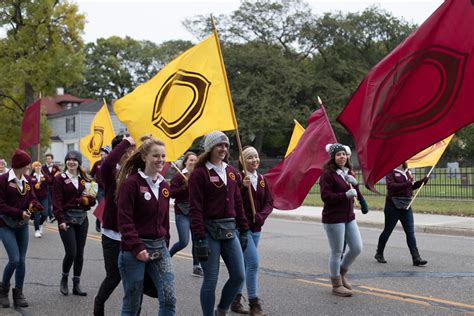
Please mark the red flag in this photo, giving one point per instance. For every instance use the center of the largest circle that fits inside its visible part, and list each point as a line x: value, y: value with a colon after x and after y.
x: 417, y: 95
x: 30, y: 126
x: 165, y: 169
x: 292, y: 178
x: 99, y: 210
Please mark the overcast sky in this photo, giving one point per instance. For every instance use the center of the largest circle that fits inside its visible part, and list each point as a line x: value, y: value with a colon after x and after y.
x: 161, y: 20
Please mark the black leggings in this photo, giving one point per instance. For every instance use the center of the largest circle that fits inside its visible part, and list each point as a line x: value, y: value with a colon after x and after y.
x: 74, y: 240
x: 111, y: 249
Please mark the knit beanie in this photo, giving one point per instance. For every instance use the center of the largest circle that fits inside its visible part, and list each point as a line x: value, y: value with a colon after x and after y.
x: 106, y: 149
x: 333, y: 149
x: 73, y: 154
x: 20, y: 159
x: 215, y: 138
x: 247, y: 152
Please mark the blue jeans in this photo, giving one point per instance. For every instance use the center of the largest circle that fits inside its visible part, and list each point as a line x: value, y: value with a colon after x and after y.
x: 161, y: 272
x: 231, y: 253
x: 251, y: 265
x: 183, y: 224
x: 392, y: 216
x: 41, y: 216
x: 15, y: 241
x: 337, y: 233
x: 50, y: 201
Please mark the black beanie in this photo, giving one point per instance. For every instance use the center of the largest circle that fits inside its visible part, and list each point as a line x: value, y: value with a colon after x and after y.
x: 73, y: 154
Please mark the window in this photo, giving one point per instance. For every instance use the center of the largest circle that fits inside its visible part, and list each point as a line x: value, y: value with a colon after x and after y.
x: 70, y: 147
x: 70, y: 125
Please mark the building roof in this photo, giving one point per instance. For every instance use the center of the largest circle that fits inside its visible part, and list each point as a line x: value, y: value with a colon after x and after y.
x: 56, y: 104
x: 90, y: 107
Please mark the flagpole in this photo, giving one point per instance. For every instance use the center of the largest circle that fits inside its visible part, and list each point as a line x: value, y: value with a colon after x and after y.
x: 179, y: 170
x: 419, y: 189
x: 234, y: 118
x: 39, y: 124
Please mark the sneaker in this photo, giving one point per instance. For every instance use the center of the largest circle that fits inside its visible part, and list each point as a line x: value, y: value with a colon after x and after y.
x: 37, y: 234
x: 197, y: 272
x: 52, y: 219
x: 41, y: 229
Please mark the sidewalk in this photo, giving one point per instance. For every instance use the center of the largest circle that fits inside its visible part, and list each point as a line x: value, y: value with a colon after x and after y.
x: 427, y: 223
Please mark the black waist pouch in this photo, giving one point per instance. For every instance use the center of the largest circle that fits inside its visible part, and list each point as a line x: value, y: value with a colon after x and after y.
x: 155, y: 247
x: 221, y: 229
x: 13, y: 223
x: 74, y: 216
x: 184, y: 207
x: 401, y: 202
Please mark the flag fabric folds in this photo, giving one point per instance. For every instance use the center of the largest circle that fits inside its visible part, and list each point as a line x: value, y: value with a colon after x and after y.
x: 292, y: 178
x: 429, y: 156
x: 417, y: 95
x: 101, y: 134
x: 298, y: 131
x: 187, y: 99
x: 30, y: 126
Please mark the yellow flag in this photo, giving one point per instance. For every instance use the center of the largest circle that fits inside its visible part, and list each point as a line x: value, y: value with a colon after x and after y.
x: 429, y: 156
x: 101, y: 134
x: 298, y: 131
x: 185, y: 100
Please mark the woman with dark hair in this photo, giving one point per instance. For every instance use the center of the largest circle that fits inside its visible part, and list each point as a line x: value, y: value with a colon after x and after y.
x: 71, y: 201
x: 122, y: 148
x: 215, y: 209
x: 400, y: 185
x: 17, y: 202
x: 143, y: 221
x: 338, y: 189
x: 180, y: 192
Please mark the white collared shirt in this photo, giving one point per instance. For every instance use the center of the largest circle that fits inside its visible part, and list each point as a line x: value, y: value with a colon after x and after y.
x: 50, y: 167
x: 155, y: 187
x: 253, y: 176
x: 19, y: 182
x: 74, y: 179
x: 219, y: 170
x: 403, y: 172
x: 37, y: 176
x: 112, y: 234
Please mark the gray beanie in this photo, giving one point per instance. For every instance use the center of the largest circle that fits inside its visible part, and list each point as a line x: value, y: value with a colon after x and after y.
x: 73, y: 155
x: 215, y: 138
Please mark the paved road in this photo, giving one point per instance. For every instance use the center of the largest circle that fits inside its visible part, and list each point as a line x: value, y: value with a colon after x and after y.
x: 293, y: 279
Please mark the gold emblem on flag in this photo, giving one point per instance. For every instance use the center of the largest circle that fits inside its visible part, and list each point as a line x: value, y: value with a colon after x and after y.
x: 96, y: 141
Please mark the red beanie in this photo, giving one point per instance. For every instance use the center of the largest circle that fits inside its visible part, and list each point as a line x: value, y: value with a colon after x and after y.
x: 20, y: 159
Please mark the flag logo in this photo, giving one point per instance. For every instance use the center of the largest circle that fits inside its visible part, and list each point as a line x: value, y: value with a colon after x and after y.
x: 195, y: 87
x: 96, y: 141
x: 439, y: 68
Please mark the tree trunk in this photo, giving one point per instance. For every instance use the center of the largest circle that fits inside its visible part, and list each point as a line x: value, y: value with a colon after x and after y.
x: 258, y: 142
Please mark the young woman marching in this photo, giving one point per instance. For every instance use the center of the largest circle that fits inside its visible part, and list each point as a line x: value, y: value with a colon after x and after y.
x: 215, y: 209
x: 50, y: 169
x: 179, y: 192
x: 338, y: 190
x: 263, y: 202
x: 40, y: 183
x: 17, y: 201
x: 143, y: 221
x: 71, y: 201
x: 400, y: 186
x: 122, y: 148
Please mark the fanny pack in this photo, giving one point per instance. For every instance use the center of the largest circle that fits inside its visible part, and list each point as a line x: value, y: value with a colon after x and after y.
x: 155, y: 247
x: 184, y: 207
x: 74, y: 216
x: 401, y: 202
x: 13, y: 223
x: 221, y: 229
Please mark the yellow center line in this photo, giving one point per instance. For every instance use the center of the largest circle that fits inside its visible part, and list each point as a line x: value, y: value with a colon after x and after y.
x: 89, y: 236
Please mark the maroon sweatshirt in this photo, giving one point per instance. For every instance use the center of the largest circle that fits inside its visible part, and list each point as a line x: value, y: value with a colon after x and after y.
x: 398, y: 185
x: 40, y: 187
x: 66, y: 196
x: 109, y: 175
x: 214, y: 200
x: 179, y: 191
x: 263, y: 201
x: 141, y: 215
x: 55, y: 169
x: 337, y: 207
x: 12, y: 202
x: 96, y: 173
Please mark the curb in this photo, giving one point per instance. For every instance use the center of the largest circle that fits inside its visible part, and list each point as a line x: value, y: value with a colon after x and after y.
x: 419, y: 229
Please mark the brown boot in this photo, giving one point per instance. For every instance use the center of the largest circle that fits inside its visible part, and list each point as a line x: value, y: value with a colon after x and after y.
x: 255, y: 307
x: 237, y: 306
x: 19, y: 299
x: 338, y: 289
x: 345, y: 283
x: 4, y: 301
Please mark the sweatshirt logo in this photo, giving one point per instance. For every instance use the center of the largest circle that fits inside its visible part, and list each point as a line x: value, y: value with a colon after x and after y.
x: 232, y: 175
x: 165, y: 192
x: 262, y: 183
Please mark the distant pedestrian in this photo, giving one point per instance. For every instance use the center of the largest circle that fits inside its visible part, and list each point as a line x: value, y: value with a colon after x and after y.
x: 263, y: 202
x: 71, y: 201
x: 96, y: 175
x: 338, y: 189
x: 180, y: 192
x: 143, y: 221
x: 17, y: 202
x: 40, y: 182
x: 216, y: 212
x: 50, y: 169
x: 400, y: 185
x: 122, y: 148
x: 3, y: 167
